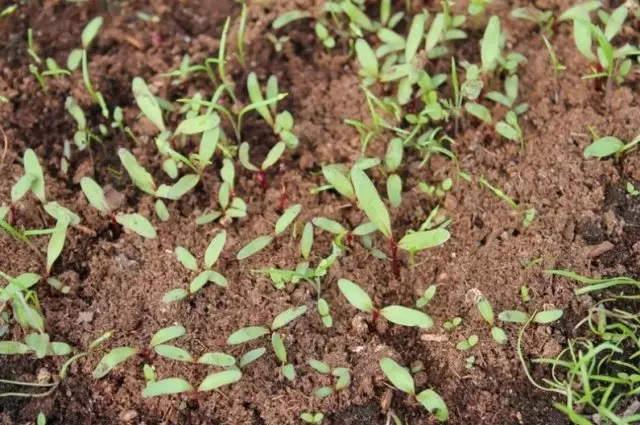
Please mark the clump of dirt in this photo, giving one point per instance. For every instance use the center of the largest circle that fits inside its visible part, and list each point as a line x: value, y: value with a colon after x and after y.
x: 117, y: 280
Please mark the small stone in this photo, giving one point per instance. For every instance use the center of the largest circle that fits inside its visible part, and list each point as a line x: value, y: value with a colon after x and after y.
x: 128, y: 415
x: 44, y: 376
x: 359, y: 325
x: 85, y: 317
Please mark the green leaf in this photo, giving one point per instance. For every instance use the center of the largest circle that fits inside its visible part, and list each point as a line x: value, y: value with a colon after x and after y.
x: 208, y: 145
x: 548, y: 316
x: 369, y: 201
x: 498, y: 335
x: 255, y: 94
x: 112, y: 359
x: 274, y: 155
x: 467, y: 343
x: 436, y: 32
x: 42, y: 419
x: 141, y: 178
x: 367, y: 58
x: 344, y: 378
x: 398, y: 375
x: 253, y: 247
x: 199, y: 282
x: 356, y: 15
x: 278, y: 347
x: 434, y: 404
x: 355, y: 295
x: 56, y: 243
x: 251, y: 356
x: 59, y: 349
x: 61, y: 213
x: 288, y: 17
x: 214, y: 249
x: 186, y: 258
x: 167, y: 334
x: 364, y: 229
x: 174, y: 295
x: 479, y: 111
x: 228, y: 172
x: 306, y: 241
x: 319, y: 366
x: 490, y: 44
x: 513, y: 316
x: 246, y: 334
x: 74, y: 59
x: 147, y: 103
x: 418, y: 241
x: 406, y: 316
x: 324, y: 392
x: 394, y: 190
x: 603, y: 147
x: 220, y: 379
x: 198, y: 124
x: 329, y: 225
x: 172, y: 352
x: 22, y: 186
x: 180, y: 188
x: 393, y: 157
x: 138, y: 224
x: 289, y: 372
x: 288, y: 316
x: 507, y: 131
x: 217, y: 359
x: 161, y: 210
x: 13, y: 347
x: 287, y: 218
x: 339, y: 181
x: 166, y: 387
x: 486, y: 311
x: 33, y: 169
x: 615, y: 22
x: 91, y: 30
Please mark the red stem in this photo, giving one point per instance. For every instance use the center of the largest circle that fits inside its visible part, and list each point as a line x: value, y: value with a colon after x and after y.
x: 261, y: 179
x: 395, y: 267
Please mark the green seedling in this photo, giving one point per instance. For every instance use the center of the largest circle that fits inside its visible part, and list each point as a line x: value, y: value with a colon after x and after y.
x: 428, y: 295
x: 470, y: 362
x: 255, y: 332
x: 52, y: 68
x: 134, y: 222
x: 260, y: 174
x: 323, y: 34
x: 231, y: 206
x: 23, y: 301
x: 206, y: 274
x: 397, y: 314
x: 341, y: 375
x: 370, y: 203
x: 31, y: 182
x: 82, y: 136
x: 392, y: 161
x: 544, y: 19
x: 490, y: 45
x: 631, y: 189
x: 438, y: 191
x: 79, y: 56
x: 486, y: 311
x: 278, y: 42
x: 478, y: 7
x: 528, y: 215
x: 606, y: 146
x: 467, y: 343
x: 9, y: 10
x: 289, y: 17
x: 510, y: 128
x: 401, y: 378
x: 282, y: 123
x: 241, y: 33
x: 261, y: 242
x: 510, y: 95
x: 556, y: 67
x: 312, y: 418
x: 453, y: 323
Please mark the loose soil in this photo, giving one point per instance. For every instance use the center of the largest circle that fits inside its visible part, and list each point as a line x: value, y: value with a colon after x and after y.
x: 117, y: 280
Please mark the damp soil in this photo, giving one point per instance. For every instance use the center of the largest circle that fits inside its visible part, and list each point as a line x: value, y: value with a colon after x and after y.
x: 586, y: 222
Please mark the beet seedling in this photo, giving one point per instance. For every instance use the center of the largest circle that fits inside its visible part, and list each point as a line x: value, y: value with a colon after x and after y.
x: 231, y: 206
x: 342, y: 375
x: 189, y: 262
x: 261, y: 242
x: 486, y: 311
x: 260, y: 174
x: 134, y: 222
x: 510, y: 95
x: 544, y: 19
x: 401, y: 378
x: 556, y: 67
x: 344, y: 237
x: 510, y: 128
x: 322, y: 32
x: 79, y: 56
x: 393, y: 160
x: 22, y: 300
x: 312, y: 418
x: 606, y: 146
x: 370, y: 203
x: 397, y: 314
x: 52, y: 68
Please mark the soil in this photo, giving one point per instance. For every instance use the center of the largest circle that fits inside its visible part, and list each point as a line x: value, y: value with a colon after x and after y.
x: 117, y: 280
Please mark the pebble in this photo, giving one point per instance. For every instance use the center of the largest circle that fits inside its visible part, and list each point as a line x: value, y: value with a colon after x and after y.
x: 128, y: 415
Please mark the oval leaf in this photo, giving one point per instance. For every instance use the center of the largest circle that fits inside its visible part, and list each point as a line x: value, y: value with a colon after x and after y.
x: 603, y: 147
x: 246, y: 334
x: 355, y: 295
x: 369, y: 201
x: 513, y: 316
x: 112, y: 359
x: 253, y: 247
x: 417, y: 241
x: 220, y: 379
x: 138, y: 224
x: 287, y: 218
x: 172, y: 352
x: 217, y: 359
x: 398, y: 375
x: 214, y: 249
x: 166, y: 387
x: 549, y: 316
x: 147, y: 103
x: 167, y: 334
x: 288, y: 316
x: 434, y: 404
x: 186, y: 258
x: 406, y: 316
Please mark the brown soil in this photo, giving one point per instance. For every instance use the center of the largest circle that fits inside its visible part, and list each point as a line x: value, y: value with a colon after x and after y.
x: 119, y: 281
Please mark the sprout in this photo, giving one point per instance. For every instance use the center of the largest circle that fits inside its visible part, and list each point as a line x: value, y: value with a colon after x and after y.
x: 261, y: 242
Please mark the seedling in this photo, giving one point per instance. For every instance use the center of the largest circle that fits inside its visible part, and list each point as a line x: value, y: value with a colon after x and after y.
x: 556, y: 67
x: 510, y: 128
x: 490, y: 45
x: 453, y: 323
x: 23, y: 301
x: 341, y: 375
x: 231, y: 206
x: 631, y: 189
x: 428, y: 295
x: 508, y: 99
x: 261, y: 242
x: 606, y: 146
x: 393, y: 160
x: 544, y: 19
x: 325, y: 37
x: 477, y: 7
x: 486, y: 311
x: 134, y: 222
x: 205, y: 276
x: 312, y: 418
x: 397, y: 314
x: 79, y: 56
x: 438, y: 191
x: 528, y: 215
x: 370, y: 203
x: 32, y: 181
x: 278, y: 42
x: 470, y: 362
x: 260, y: 174
x: 468, y: 343
x: 82, y: 136
x: 401, y: 378
x: 254, y: 332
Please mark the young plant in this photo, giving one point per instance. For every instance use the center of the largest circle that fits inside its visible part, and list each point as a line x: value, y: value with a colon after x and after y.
x: 401, y: 378
x: 79, y: 56
x: 370, y: 203
x: 341, y: 375
x: 324, y: 35
x: 134, y: 222
x: 486, y: 311
x: 556, y: 67
x: 510, y: 128
x: 397, y: 314
x: 467, y: 343
x: 544, y: 19
x: 52, y: 68
x: 260, y: 174
x: 23, y: 301
x: 510, y: 95
x: 477, y: 7
x: 603, y: 147
x: 32, y: 181
x: 393, y: 160
x: 231, y: 206
x: 261, y: 242
x: 428, y: 295
x: 527, y: 215
x: 312, y: 418
x: 83, y: 136
x: 254, y: 332
x: 278, y: 42
x: 205, y: 276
